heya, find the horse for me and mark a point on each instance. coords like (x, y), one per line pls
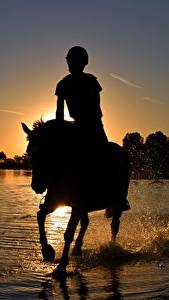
(78, 174)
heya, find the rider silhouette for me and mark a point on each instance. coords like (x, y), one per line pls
(81, 91)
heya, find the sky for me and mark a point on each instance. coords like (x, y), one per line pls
(128, 46)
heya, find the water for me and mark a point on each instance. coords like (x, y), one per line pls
(136, 267)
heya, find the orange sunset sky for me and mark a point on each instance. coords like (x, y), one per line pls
(128, 48)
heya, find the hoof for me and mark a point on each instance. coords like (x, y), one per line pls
(48, 253)
(59, 273)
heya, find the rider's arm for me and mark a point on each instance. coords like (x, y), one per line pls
(60, 109)
(98, 111)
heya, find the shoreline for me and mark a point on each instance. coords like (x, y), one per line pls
(29, 168)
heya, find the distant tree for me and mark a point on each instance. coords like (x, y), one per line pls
(134, 145)
(10, 163)
(18, 162)
(18, 159)
(166, 163)
(26, 162)
(157, 155)
(2, 156)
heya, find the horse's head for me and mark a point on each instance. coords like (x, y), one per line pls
(35, 152)
(50, 149)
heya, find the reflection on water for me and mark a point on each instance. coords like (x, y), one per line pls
(79, 286)
(135, 268)
(8, 177)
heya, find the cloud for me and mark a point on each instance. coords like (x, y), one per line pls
(11, 111)
(130, 83)
(125, 81)
(152, 100)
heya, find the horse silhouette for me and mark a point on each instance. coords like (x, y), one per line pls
(76, 173)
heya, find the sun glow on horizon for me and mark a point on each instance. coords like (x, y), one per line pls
(48, 116)
(51, 115)
(62, 211)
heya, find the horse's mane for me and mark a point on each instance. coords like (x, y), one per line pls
(50, 124)
(38, 124)
(37, 129)
(52, 132)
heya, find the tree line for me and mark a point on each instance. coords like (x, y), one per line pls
(18, 162)
(149, 159)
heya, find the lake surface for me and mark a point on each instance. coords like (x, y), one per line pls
(136, 267)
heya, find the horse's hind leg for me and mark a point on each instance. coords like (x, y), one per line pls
(84, 222)
(47, 250)
(115, 224)
(68, 237)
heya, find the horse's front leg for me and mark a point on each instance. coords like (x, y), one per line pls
(84, 222)
(68, 237)
(47, 250)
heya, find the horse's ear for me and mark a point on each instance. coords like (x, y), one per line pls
(26, 129)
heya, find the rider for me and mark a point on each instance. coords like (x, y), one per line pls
(81, 91)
